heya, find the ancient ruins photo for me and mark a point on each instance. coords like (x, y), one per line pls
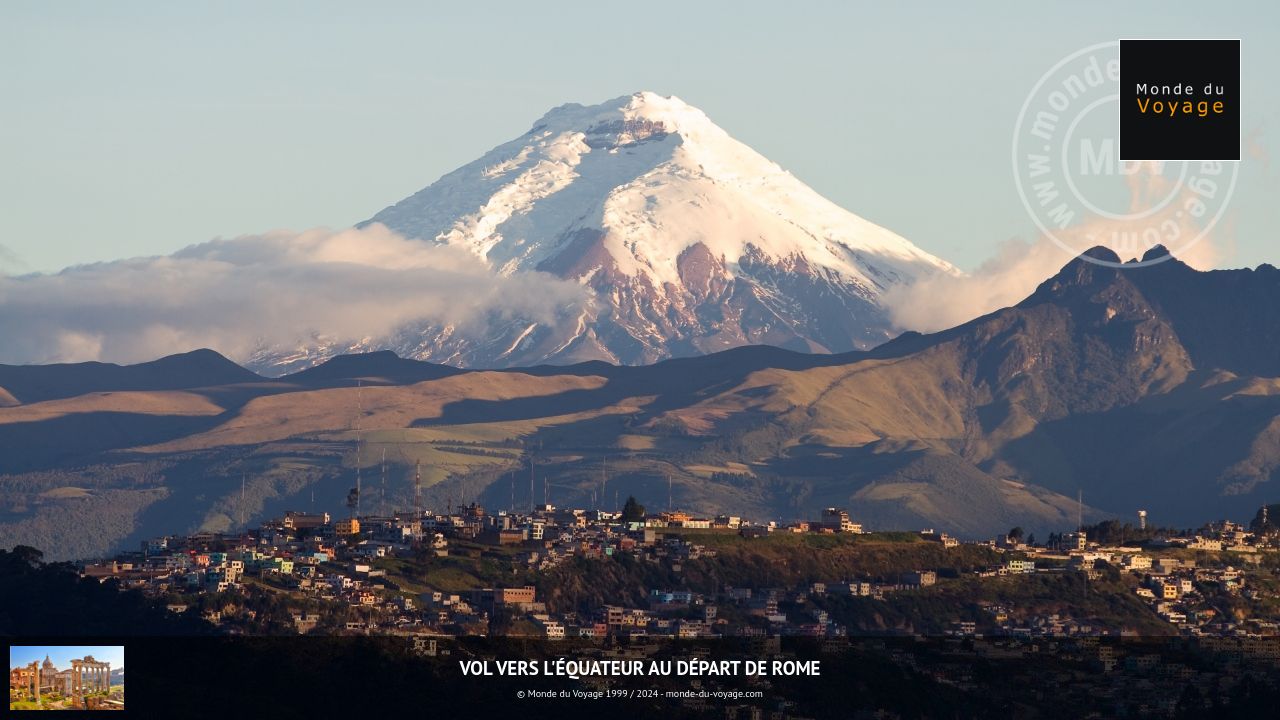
(67, 678)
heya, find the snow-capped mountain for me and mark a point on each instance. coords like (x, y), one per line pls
(688, 241)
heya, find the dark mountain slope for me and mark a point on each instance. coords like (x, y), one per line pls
(195, 369)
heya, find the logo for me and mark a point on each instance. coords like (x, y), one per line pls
(1080, 194)
(1180, 99)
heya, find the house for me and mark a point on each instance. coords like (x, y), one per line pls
(494, 597)
(919, 578)
(553, 629)
(1017, 566)
(305, 623)
(1136, 562)
(837, 520)
(304, 521)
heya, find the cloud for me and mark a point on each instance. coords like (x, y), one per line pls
(943, 301)
(9, 258)
(280, 289)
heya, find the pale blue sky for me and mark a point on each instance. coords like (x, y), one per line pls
(134, 128)
(61, 655)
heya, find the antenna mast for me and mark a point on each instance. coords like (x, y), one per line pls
(359, 412)
(417, 489)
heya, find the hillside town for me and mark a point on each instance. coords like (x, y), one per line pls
(404, 574)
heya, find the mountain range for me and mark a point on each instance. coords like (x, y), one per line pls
(687, 242)
(1153, 388)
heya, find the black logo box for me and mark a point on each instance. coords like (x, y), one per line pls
(1183, 65)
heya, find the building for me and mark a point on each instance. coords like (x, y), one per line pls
(1075, 541)
(305, 521)
(919, 578)
(510, 537)
(495, 597)
(1020, 566)
(1136, 562)
(1202, 543)
(837, 520)
(940, 537)
(350, 526)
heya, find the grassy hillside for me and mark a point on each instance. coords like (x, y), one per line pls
(1090, 387)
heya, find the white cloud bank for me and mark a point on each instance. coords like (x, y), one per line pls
(278, 289)
(944, 301)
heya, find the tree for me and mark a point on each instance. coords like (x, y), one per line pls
(1031, 539)
(27, 555)
(632, 511)
(1015, 534)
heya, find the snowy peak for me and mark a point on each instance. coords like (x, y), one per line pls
(656, 176)
(629, 119)
(686, 240)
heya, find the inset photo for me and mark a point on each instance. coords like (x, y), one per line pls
(66, 677)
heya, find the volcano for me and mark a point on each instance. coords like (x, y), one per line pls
(686, 241)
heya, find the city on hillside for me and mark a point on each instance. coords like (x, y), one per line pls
(558, 573)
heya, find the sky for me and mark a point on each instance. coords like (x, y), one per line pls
(138, 128)
(61, 655)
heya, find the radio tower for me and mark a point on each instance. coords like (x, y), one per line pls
(241, 499)
(417, 489)
(1079, 510)
(359, 412)
(531, 484)
(382, 500)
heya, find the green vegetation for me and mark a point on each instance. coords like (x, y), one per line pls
(632, 511)
(71, 605)
(1108, 603)
(777, 561)
(468, 566)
